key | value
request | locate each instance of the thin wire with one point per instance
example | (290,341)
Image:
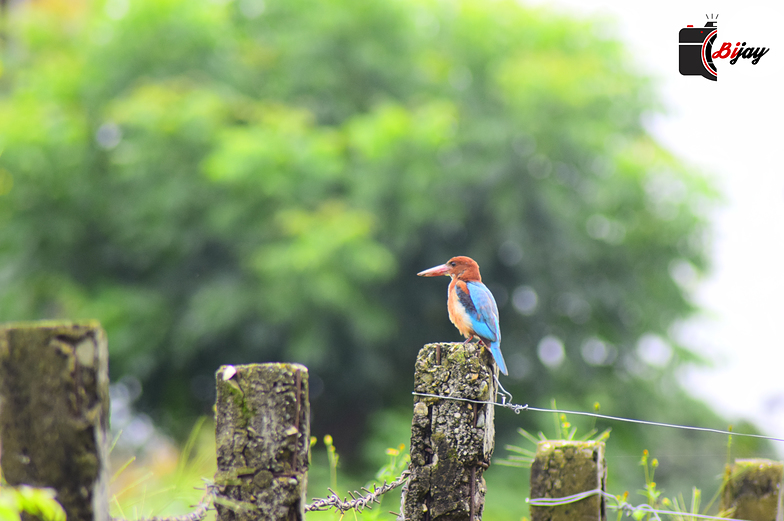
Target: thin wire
(506,396)
(656,424)
(519,408)
(359,500)
(515,407)
(557,501)
(620,505)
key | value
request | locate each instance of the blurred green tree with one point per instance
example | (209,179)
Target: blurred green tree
(246,181)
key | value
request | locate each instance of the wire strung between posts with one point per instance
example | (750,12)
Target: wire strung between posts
(626,508)
(517,408)
(359,501)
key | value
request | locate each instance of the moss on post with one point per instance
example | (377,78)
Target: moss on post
(451,441)
(262,434)
(54,412)
(564,468)
(754,490)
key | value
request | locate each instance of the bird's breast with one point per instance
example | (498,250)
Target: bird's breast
(458,314)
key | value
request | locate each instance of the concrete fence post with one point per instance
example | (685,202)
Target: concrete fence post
(451,441)
(754,490)
(564,468)
(54,412)
(262,434)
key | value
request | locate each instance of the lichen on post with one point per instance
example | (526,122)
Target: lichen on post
(54,412)
(753,490)
(262,434)
(563,468)
(451,440)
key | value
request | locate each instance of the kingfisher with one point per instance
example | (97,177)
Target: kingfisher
(472,308)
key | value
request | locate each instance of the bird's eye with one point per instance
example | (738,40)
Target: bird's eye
(453,264)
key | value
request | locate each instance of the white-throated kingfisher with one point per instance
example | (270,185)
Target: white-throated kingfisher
(472,308)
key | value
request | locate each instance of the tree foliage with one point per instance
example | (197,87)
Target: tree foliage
(246,181)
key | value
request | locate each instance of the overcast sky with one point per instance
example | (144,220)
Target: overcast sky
(730,129)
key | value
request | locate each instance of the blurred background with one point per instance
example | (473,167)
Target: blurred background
(238,181)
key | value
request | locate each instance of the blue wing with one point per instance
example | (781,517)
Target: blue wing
(482,310)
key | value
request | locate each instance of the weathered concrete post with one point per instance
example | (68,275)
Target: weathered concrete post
(262,434)
(563,468)
(54,412)
(451,441)
(754,490)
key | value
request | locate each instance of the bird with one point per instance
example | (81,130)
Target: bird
(472,308)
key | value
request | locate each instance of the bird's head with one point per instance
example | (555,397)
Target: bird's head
(463,268)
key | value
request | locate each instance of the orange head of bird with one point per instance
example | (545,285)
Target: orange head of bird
(463,268)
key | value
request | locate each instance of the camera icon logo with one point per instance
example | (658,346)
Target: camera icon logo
(695,46)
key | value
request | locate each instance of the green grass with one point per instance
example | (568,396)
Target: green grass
(35,502)
(169,480)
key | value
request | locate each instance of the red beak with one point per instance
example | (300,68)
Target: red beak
(435,271)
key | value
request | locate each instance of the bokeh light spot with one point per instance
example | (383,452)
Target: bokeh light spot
(551,351)
(525,300)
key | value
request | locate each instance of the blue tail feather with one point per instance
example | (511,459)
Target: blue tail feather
(495,350)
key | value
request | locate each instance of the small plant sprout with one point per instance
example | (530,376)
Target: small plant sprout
(332,457)
(564,430)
